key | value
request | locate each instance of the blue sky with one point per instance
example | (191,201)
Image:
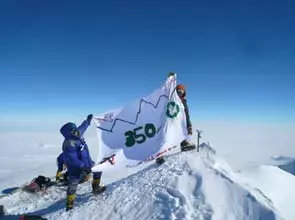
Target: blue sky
(61,58)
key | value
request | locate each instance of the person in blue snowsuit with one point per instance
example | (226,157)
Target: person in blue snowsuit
(77,159)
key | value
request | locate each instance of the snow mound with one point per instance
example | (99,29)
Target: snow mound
(189,185)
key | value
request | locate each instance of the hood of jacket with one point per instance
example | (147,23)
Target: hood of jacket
(66,130)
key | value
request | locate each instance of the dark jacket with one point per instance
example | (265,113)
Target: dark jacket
(188,120)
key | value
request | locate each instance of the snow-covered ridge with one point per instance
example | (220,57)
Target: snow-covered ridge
(189,185)
(275,184)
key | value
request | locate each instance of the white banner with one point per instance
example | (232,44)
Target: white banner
(139,131)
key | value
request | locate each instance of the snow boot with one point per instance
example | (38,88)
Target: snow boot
(185,146)
(96,187)
(70,202)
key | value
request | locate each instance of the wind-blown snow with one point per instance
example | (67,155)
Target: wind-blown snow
(190,185)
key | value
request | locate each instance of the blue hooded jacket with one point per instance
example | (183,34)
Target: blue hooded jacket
(76,154)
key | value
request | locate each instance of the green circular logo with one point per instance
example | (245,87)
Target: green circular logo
(172,109)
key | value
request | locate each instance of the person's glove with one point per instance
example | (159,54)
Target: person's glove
(89,118)
(58,176)
(171,74)
(190,130)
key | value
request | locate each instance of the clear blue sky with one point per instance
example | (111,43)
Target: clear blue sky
(237,57)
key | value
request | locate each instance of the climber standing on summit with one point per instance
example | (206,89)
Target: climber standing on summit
(77,159)
(181,92)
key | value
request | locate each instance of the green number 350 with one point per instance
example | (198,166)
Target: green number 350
(133,136)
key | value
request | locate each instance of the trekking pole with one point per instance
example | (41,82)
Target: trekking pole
(198,139)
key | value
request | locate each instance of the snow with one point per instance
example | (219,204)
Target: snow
(276,184)
(249,143)
(190,185)
(22,157)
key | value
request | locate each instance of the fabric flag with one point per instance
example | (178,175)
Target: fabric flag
(140,130)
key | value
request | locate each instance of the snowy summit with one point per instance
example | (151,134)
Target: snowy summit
(189,185)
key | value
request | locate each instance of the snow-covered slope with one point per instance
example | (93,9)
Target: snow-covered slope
(276,184)
(190,185)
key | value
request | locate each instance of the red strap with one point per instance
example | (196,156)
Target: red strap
(112,160)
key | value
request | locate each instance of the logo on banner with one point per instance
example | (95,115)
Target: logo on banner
(172,109)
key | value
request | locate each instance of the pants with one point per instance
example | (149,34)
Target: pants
(75,180)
